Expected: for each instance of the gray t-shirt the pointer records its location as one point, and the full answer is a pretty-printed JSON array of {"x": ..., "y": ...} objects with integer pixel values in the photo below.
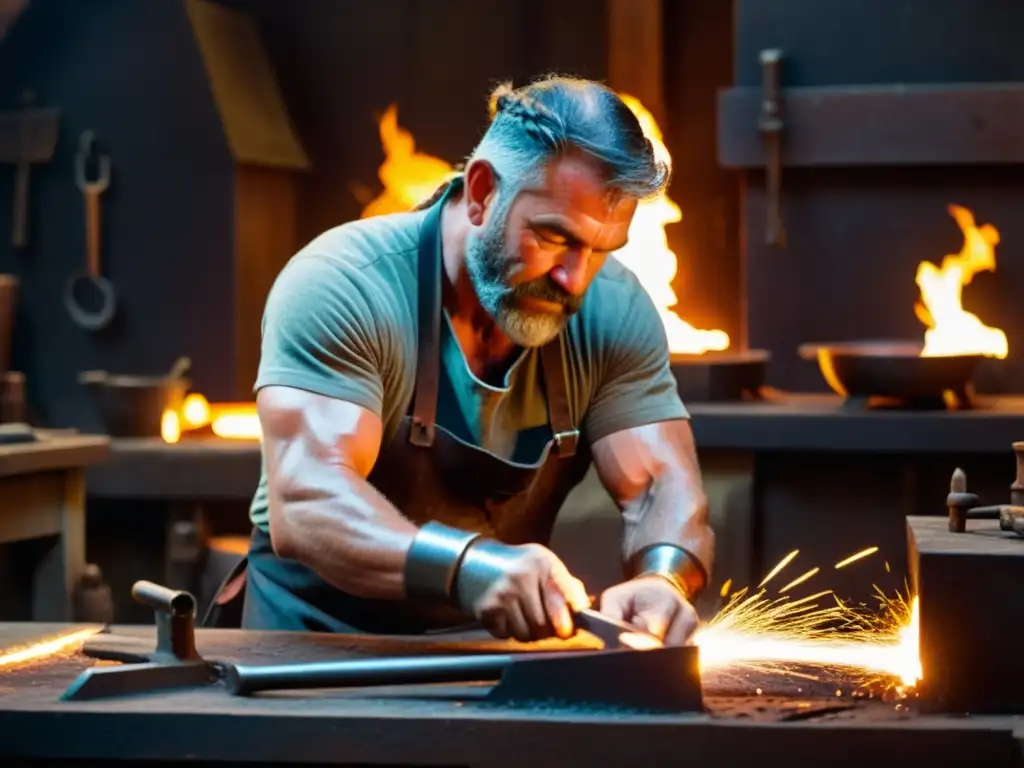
[{"x": 340, "y": 321}]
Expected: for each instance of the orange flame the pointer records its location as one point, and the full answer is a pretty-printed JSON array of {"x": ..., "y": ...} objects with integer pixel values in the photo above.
[
  {"x": 951, "y": 329},
  {"x": 234, "y": 421},
  {"x": 408, "y": 176},
  {"x": 649, "y": 257}
]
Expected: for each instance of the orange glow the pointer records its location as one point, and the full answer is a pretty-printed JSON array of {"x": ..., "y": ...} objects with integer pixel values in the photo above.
[
  {"x": 755, "y": 631},
  {"x": 951, "y": 329},
  {"x": 234, "y": 421},
  {"x": 170, "y": 426},
  {"x": 649, "y": 257},
  {"x": 45, "y": 648},
  {"x": 410, "y": 177}
]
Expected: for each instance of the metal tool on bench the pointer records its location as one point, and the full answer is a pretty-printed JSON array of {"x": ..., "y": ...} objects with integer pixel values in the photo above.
[
  {"x": 174, "y": 663},
  {"x": 962, "y": 505},
  {"x": 27, "y": 136},
  {"x": 657, "y": 680},
  {"x": 243, "y": 680},
  {"x": 105, "y": 299}
]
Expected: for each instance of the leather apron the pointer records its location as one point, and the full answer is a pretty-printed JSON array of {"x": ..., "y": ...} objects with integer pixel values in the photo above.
[{"x": 429, "y": 472}]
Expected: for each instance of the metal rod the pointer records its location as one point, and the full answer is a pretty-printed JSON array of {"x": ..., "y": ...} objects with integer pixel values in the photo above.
[{"x": 410, "y": 670}]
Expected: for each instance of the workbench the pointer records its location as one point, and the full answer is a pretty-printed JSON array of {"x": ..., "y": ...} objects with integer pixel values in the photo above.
[
  {"x": 450, "y": 725},
  {"x": 42, "y": 494}
]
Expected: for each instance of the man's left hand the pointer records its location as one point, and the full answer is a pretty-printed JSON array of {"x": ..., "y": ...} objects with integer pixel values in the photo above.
[{"x": 651, "y": 603}]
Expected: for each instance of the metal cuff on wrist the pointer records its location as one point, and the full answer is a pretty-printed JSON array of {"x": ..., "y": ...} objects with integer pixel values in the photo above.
[
  {"x": 671, "y": 562},
  {"x": 432, "y": 563},
  {"x": 484, "y": 562}
]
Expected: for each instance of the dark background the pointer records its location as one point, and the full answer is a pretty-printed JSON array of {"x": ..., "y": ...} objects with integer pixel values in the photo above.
[
  {"x": 131, "y": 71},
  {"x": 856, "y": 235}
]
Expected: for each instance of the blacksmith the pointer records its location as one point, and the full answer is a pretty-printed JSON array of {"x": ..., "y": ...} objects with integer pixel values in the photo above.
[{"x": 433, "y": 384}]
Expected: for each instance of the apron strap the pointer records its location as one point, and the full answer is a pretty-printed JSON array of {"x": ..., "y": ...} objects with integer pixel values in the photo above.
[
  {"x": 565, "y": 433},
  {"x": 428, "y": 357}
]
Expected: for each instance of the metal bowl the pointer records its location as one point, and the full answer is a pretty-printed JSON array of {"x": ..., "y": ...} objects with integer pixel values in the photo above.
[
  {"x": 893, "y": 369},
  {"x": 726, "y": 376}
]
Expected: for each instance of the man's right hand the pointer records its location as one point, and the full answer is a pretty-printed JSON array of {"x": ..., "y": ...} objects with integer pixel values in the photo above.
[{"x": 524, "y": 591}]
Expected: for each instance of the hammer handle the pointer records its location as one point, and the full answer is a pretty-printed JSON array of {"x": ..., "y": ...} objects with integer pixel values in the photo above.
[{"x": 92, "y": 232}]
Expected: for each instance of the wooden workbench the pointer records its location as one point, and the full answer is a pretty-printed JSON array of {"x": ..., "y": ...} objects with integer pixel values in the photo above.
[
  {"x": 451, "y": 726},
  {"x": 42, "y": 493}
]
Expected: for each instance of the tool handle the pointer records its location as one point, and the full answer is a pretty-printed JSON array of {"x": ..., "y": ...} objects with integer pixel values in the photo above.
[
  {"x": 351, "y": 673},
  {"x": 19, "y": 237},
  {"x": 92, "y": 232}
]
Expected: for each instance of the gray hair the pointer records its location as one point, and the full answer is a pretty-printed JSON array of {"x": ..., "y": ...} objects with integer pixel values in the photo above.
[{"x": 533, "y": 124}]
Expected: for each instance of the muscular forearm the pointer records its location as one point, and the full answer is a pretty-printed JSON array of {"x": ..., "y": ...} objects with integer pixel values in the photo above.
[
  {"x": 344, "y": 529},
  {"x": 671, "y": 509}
]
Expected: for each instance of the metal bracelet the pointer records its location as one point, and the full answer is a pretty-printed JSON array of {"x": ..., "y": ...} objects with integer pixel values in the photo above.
[
  {"x": 672, "y": 562},
  {"x": 484, "y": 562},
  {"x": 433, "y": 560}
]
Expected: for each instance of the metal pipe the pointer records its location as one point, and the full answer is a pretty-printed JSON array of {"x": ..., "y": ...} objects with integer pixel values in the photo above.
[
  {"x": 243, "y": 680},
  {"x": 160, "y": 598}
]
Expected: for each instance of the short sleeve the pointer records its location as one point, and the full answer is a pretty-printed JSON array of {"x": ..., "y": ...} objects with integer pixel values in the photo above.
[
  {"x": 322, "y": 333},
  {"x": 635, "y": 385}
]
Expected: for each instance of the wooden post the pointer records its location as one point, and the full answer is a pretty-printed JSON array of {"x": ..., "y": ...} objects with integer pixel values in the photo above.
[{"x": 635, "y": 53}]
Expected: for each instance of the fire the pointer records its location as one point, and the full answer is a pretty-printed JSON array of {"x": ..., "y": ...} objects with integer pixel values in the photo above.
[
  {"x": 774, "y": 634},
  {"x": 951, "y": 329},
  {"x": 653, "y": 262},
  {"x": 409, "y": 177},
  {"x": 234, "y": 421}
]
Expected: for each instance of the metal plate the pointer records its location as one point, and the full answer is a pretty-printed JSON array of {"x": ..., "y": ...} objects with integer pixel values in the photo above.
[{"x": 971, "y": 615}]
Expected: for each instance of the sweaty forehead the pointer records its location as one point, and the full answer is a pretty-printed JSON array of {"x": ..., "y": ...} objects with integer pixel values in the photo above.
[{"x": 573, "y": 191}]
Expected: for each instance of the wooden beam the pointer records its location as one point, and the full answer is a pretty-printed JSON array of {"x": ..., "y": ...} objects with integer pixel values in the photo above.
[
  {"x": 635, "y": 52},
  {"x": 887, "y": 125}
]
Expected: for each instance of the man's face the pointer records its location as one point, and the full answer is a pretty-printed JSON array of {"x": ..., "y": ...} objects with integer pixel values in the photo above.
[{"x": 531, "y": 262}]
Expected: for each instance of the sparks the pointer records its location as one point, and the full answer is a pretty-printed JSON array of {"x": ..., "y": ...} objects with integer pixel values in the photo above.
[
  {"x": 775, "y": 634},
  {"x": 45, "y": 648},
  {"x": 799, "y": 580},
  {"x": 782, "y": 564},
  {"x": 859, "y": 556}
]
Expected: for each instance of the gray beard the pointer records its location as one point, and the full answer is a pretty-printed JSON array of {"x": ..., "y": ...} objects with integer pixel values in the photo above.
[{"x": 487, "y": 261}]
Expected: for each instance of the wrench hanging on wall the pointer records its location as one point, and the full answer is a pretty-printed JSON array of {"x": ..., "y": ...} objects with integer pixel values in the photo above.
[
  {"x": 770, "y": 125},
  {"x": 106, "y": 299}
]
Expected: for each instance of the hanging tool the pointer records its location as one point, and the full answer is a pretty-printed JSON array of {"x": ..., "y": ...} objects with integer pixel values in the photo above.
[
  {"x": 92, "y": 320},
  {"x": 27, "y": 136},
  {"x": 770, "y": 125}
]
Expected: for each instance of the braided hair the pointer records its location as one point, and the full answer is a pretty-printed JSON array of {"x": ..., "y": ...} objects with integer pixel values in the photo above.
[{"x": 555, "y": 115}]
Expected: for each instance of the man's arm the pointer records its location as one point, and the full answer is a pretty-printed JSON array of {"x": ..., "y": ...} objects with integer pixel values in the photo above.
[
  {"x": 318, "y": 452},
  {"x": 644, "y": 455},
  {"x": 652, "y": 474}
]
